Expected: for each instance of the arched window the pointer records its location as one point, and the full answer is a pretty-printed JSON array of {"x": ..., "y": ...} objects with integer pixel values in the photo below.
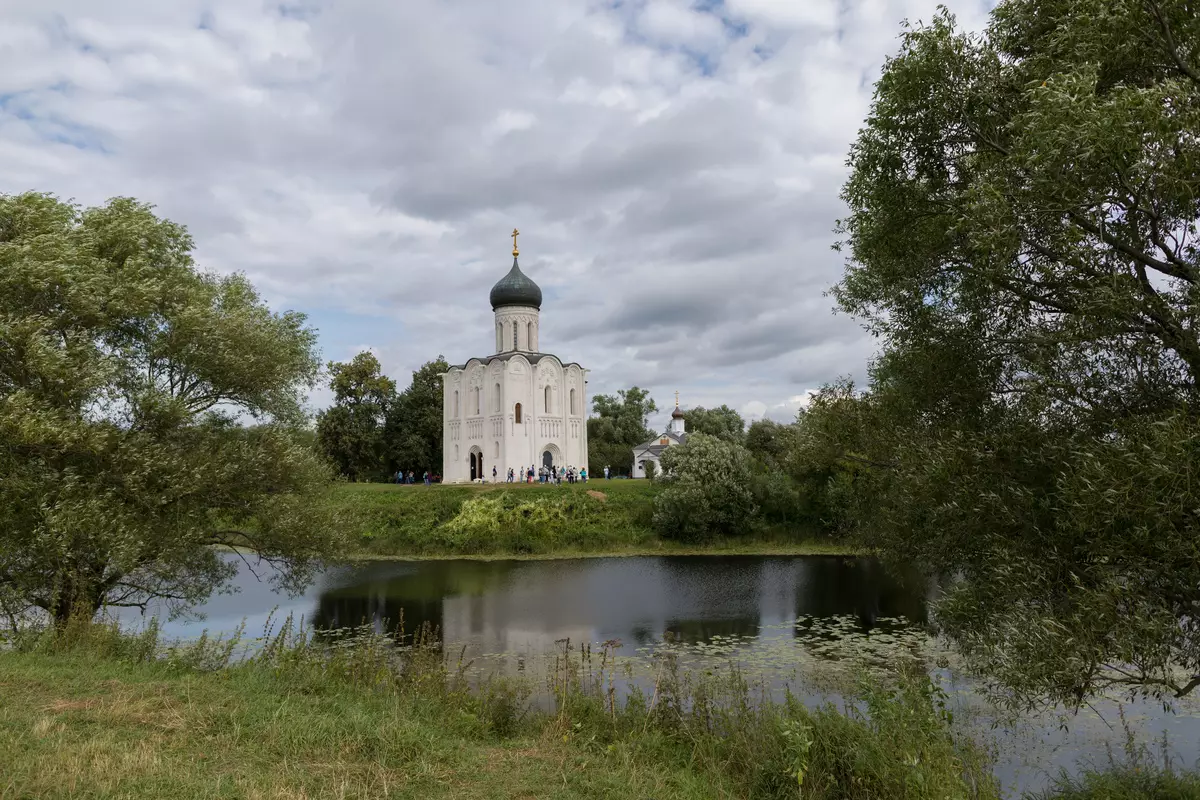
[
  {"x": 478, "y": 400},
  {"x": 529, "y": 336},
  {"x": 497, "y": 450},
  {"x": 499, "y": 336},
  {"x": 496, "y": 397},
  {"x": 456, "y": 402},
  {"x": 573, "y": 411},
  {"x": 517, "y": 413},
  {"x": 547, "y": 399},
  {"x": 515, "y": 337}
]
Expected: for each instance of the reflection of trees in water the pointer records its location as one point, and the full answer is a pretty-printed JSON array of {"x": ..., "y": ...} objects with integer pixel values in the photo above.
[
  {"x": 414, "y": 600},
  {"x": 698, "y": 631},
  {"x": 720, "y": 597},
  {"x": 726, "y": 586},
  {"x": 384, "y": 614},
  {"x": 860, "y": 587},
  {"x": 695, "y": 599},
  {"x": 642, "y": 636}
]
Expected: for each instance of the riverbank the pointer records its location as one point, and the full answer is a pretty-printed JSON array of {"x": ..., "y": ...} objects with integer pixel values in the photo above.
[
  {"x": 96, "y": 714},
  {"x": 599, "y": 518}
]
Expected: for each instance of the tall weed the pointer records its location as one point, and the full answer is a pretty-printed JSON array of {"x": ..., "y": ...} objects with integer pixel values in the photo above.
[{"x": 890, "y": 741}]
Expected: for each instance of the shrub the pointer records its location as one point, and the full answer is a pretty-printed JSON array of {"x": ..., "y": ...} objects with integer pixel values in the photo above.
[
  {"x": 708, "y": 490},
  {"x": 1125, "y": 783},
  {"x": 513, "y": 520},
  {"x": 778, "y": 498}
]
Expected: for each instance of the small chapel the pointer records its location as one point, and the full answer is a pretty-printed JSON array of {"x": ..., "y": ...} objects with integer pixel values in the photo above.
[
  {"x": 518, "y": 408},
  {"x": 650, "y": 452}
]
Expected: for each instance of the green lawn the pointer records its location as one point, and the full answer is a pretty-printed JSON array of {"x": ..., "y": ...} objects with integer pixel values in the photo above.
[{"x": 532, "y": 520}]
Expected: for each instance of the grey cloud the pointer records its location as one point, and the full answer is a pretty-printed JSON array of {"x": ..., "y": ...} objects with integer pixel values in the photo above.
[{"x": 347, "y": 156}]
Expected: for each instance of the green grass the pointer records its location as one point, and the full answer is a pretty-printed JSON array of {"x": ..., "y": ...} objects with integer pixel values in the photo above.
[
  {"x": 1138, "y": 773},
  {"x": 1126, "y": 783},
  {"x": 96, "y": 714},
  {"x": 597, "y": 518}
]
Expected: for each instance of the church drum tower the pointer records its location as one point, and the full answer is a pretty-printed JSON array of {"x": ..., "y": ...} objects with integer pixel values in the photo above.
[{"x": 518, "y": 407}]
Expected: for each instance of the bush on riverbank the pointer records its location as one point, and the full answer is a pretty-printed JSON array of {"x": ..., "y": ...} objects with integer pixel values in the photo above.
[
  {"x": 1139, "y": 774},
  {"x": 92, "y": 708},
  {"x": 492, "y": 519},
  {"x": 1122, "y": 783},
  {"x": 497, "y": 518},
  {"x": 706, "y": 490}
]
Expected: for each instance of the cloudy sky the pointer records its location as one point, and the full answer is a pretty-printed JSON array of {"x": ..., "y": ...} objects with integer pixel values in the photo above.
[{"x": 673, "y": 166}]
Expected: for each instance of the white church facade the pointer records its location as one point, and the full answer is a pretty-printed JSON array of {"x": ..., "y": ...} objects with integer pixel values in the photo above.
[
  {"x": 650, "y": 452},
  {"x": 519, "y": 407}
]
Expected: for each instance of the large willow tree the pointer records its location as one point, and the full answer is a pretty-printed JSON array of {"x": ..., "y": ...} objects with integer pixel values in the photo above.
[
  {"x": 127, "y": 379},
  {"x": 1022, "y": 237}
]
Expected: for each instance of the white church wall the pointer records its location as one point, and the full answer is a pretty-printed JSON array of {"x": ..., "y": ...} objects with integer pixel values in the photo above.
[
  {"x": 517, "y": 453},
  {"x": 639, "y": 462},
  {"x": 453, "y": 404},
  {"x": 480, "y": 401},
  {"x": 485, "y": 399},
  {"x": 521, "y": 320},
  {"x": 575, "y": 414}
]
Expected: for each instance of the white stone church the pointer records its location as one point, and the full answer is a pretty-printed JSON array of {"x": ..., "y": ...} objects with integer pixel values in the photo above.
[
  {"x": 519, "y": 407},
  {"x": 651, "y": 452}
]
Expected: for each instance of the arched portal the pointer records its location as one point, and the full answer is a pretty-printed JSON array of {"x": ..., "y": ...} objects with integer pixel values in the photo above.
[
  {"x": 551, "y": 456},
  {"x": 475, "y": 459}
]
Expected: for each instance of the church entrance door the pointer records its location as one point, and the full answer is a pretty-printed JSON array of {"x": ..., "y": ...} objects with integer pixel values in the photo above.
[
  {"x": 548, "y": 460},
  {"x": 476, "y": 465}
]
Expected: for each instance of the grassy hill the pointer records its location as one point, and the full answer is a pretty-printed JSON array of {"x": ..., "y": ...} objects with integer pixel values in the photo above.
[{"x": 599, "y": 517}]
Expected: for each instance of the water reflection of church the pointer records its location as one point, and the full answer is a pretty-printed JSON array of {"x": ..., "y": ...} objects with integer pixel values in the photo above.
[{"x": 523, "y": 606}]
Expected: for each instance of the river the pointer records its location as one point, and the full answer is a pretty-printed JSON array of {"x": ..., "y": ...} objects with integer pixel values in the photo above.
[{"x": 775, "y": 616}]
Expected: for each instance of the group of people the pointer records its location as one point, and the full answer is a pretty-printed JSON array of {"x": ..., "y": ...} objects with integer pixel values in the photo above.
[
  {"x": 543, "y": 475},
  {"x": 546, "y": 475},
  {"x": 410, "y": 477}
]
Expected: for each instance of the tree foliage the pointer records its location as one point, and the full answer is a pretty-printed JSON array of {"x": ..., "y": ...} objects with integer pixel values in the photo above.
[
  {"x": 124, "y": 371},
  {"x": 413, "y": 429},
  {"x": 770, "y": 443},
  {"x": 350, "y": 433},
  {"x": 722, "y": 422},
  {"x": 1023, "y": 212},
  {"x": 707, "y": 490},
  {"x": 618, "y": 425}
]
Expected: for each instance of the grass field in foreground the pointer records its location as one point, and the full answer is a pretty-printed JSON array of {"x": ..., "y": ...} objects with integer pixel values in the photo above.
[
  {"x": 107, "y": 715},
  {"x": 76, "y": 728},
  {"x": 488, "y": 520}
]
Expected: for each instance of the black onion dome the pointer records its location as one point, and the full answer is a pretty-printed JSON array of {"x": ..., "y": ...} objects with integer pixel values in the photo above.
[
  {"x": 516, "y": 289},
  {"x": 676, "y": 414}
]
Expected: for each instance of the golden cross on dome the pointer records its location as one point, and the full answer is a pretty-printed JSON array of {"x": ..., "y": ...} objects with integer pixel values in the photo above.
[
  {"x": 515, "y": 234},
  {"x": 677, "y": 398}
]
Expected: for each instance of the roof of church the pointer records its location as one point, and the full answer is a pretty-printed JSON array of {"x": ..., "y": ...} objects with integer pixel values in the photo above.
[
  {"x": 532, "y": 358},
  {"x": 516, "y": 289},
  {"x": 655, "y": 447}
]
